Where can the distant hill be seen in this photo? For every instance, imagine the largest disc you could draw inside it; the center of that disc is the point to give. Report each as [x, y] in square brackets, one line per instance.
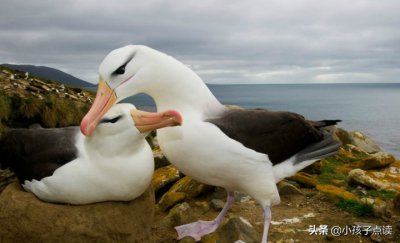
[50, 74]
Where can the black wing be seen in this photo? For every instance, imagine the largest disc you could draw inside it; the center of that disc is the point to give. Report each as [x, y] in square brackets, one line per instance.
[278, 134]
[37, 153]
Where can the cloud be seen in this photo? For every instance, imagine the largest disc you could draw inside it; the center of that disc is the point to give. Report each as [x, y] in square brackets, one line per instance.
[346, 78]
[224, 41]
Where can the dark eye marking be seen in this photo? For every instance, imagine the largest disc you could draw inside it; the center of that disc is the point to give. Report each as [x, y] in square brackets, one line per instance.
[112, 120]
[121, 69]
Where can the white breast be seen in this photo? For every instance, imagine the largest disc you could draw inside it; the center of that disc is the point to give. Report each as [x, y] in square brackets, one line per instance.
[85, 180]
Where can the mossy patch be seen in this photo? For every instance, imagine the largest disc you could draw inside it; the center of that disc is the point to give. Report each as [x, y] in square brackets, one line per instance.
[355, 207]
[51, 111]
[350, 153]
[382, 194]
[329, 171]
[5, 106]
[5, 110]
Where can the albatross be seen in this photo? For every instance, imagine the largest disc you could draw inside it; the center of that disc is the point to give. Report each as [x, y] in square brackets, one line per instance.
[61, 165]
[247, 150]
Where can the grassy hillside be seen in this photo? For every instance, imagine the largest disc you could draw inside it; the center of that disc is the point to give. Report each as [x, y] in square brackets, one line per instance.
[25, 101]
[50, 74]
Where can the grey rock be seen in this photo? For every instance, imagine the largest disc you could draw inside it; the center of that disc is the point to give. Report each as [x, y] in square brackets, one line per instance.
[217, 204]
[241, 197]
[286, 188]
[364, 142]
[343, 136]
[178, 215]
[202, 206]
[360, 176]
[236, 229]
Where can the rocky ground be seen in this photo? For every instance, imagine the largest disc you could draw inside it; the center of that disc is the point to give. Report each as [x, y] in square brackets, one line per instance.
[27, 86]
[350, 197]
[292, 220]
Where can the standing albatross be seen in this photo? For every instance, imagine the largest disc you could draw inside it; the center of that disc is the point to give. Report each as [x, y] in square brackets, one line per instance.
[61, 165]
[243, 150]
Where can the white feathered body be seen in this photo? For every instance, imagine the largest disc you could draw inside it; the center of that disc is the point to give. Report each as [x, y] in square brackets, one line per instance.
[115, 164]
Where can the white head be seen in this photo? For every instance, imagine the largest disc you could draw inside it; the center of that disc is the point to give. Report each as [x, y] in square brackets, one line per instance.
[137, 69]
[130, 69]
[123, 128]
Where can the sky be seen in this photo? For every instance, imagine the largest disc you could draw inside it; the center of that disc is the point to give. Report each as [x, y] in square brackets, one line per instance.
[226, 41]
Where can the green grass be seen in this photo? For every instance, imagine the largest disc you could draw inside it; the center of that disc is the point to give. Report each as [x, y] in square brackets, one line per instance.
[328, 171]
[51, 111]
[383, 194]
[5, 110]
[357, 208]
[5, 106]
[357, 155]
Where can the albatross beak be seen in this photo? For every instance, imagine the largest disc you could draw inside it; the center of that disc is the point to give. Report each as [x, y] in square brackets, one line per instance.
[105, 98]
[149, 121]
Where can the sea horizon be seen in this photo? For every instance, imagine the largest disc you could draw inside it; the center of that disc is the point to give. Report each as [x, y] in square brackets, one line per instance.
[372, 108]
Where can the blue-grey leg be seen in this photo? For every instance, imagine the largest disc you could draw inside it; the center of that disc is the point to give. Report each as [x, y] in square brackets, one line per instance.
[267, 221]
[201, 227]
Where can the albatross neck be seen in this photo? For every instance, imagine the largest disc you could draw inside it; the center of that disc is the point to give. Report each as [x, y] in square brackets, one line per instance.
[186, 92]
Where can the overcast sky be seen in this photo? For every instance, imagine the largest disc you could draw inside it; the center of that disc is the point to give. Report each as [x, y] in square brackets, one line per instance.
[282, 41]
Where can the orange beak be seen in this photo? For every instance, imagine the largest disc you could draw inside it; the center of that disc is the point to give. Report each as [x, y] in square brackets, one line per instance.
[105, 98]
[149, 121]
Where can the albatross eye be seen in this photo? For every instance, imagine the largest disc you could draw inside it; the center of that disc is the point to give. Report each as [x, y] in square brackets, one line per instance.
[120, 70]
[112, 120]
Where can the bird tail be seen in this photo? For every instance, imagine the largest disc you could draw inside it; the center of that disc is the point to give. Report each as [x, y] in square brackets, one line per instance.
[324, 123]
[327, 147]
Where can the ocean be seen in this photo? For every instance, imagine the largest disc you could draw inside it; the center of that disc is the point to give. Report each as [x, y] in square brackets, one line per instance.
[373, 109]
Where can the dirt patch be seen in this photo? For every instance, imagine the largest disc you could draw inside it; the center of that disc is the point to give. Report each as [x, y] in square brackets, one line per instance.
[292, 220]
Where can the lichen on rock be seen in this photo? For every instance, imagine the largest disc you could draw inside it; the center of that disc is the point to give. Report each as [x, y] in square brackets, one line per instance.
[185, 188]
[169, 199]
[164, 176]
[304, 179]
[370, 180]
[335, 192]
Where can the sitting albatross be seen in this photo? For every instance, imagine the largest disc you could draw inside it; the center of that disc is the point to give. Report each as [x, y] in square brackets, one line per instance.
[243, 150]
[61, 165]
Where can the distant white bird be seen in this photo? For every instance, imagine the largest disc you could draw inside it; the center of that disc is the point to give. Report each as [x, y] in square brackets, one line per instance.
[62, 165]
[243, 150]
